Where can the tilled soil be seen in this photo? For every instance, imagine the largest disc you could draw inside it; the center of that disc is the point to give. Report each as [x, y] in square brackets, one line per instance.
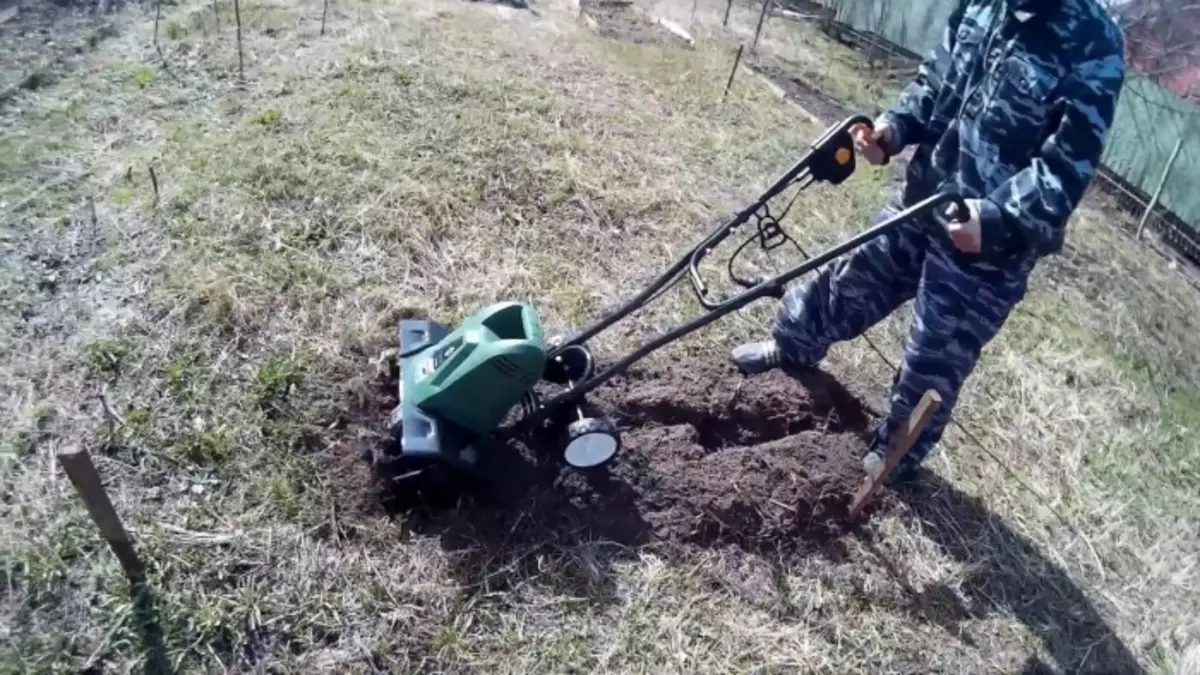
[622, 20]
[712, 457]
[797, 87]
[709, 458]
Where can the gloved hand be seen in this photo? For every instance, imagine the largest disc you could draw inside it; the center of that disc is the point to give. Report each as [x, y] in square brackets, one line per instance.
[870, 143]
[966, 234]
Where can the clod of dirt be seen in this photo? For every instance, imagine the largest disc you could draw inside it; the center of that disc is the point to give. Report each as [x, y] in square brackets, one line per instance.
[709, 458]
[623, 20]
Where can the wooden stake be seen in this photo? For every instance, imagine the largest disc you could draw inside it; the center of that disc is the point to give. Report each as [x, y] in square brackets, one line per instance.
[762, 17]
[157, 15]
[77, 463]
[154, 183]
[324, 13]
[1162, 182]
[732, 72]
[237, 16]
[216, 14]
[725, 21]
[902, 442]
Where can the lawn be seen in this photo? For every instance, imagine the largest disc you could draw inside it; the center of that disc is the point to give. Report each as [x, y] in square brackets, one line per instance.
[200, 282]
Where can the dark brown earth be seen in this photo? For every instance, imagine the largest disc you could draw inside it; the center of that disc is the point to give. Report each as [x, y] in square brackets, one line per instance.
[709, 458]
[622, 20]
[714, 457]
[798, 85]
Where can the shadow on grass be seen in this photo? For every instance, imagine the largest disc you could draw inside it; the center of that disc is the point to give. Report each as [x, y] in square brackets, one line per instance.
[528, 527]
[1008, 574]
[149, 626]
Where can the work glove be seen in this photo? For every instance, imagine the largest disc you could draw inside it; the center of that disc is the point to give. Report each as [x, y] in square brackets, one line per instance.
[870, 142]
[966, 234]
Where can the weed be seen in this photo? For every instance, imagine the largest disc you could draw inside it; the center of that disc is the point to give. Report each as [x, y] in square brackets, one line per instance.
[266, 118]
[283, 494]
[122, 195]
[205, 446]
[21, 441]
[277, 380]
[180, 373]
[143, 75]
[106, 357]
[175, 30]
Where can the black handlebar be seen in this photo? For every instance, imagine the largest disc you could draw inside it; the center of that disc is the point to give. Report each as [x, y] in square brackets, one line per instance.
[830, 159]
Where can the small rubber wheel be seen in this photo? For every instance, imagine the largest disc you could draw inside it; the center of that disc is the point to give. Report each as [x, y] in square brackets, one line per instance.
[591, 442]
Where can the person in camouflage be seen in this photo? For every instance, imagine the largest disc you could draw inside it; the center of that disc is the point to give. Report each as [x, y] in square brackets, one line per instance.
[1010, 111]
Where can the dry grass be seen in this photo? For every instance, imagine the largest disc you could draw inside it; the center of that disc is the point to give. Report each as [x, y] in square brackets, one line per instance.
[436, 156]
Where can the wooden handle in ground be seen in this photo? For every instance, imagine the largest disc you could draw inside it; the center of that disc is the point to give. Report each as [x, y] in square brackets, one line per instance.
[77, 464]
[902, 441]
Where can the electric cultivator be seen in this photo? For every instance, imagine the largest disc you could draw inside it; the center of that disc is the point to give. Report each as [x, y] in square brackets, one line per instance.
[458, 387]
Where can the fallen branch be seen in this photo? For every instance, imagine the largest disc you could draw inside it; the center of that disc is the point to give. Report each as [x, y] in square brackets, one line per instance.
[112, 415]
[198, 538]
[677, 30]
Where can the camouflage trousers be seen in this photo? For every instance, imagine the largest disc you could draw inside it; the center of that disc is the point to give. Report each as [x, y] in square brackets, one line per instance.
[958, 307]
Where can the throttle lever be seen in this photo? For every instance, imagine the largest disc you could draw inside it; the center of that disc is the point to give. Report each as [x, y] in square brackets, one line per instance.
[771, 234]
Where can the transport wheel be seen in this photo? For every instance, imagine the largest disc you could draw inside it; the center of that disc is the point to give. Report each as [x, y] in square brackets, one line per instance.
[591, 442]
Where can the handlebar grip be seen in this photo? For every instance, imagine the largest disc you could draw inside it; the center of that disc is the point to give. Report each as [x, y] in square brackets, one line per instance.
[870, 126]
[961, 212]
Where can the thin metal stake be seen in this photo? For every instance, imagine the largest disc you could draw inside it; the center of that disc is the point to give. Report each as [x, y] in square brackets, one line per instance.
[762, 17]
[237, 15]
[733, 71]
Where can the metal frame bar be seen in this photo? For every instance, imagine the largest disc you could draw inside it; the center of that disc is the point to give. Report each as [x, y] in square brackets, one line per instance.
[770, 287]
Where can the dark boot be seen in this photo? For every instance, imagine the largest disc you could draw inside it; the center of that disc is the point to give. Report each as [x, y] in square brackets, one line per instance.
[757, 357]
[904, 472]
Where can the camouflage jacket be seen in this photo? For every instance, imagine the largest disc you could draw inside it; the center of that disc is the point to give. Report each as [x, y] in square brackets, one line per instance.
[1013, 108]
